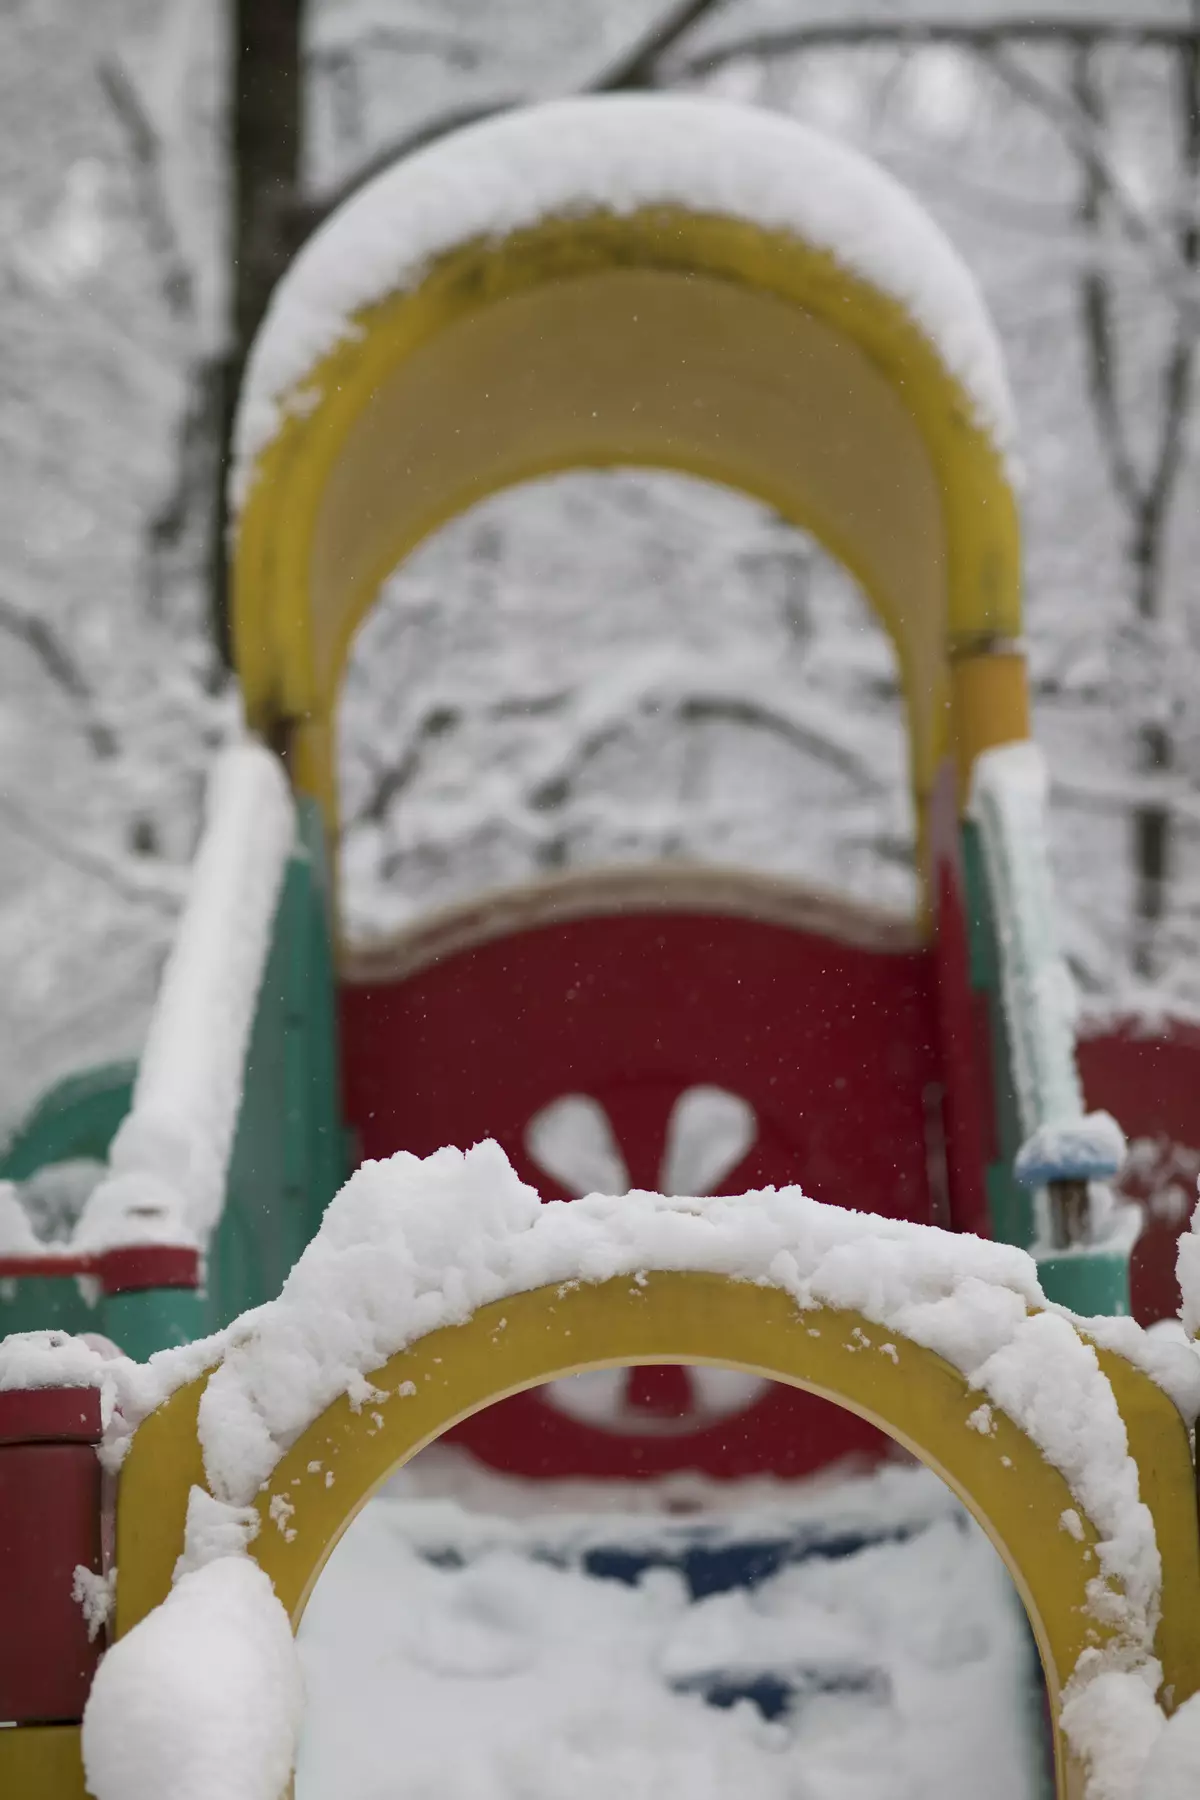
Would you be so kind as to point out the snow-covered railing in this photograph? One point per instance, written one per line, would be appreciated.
(170, 1158)
(1063, 1148)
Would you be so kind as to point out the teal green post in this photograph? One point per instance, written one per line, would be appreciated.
(289, 1154)
(1091, 1282)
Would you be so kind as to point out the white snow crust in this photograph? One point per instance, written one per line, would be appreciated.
(168, 1162)
(615, 153)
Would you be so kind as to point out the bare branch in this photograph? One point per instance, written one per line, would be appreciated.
(461, 51)
(1179, 368)
(787, 40)
(1079, 133)
(637, 65)
(146, 150)
(58, 663)
(1096, 300)
(191, 498)
(634, 67)
(140, 886)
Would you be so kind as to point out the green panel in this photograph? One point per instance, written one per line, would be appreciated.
(45, 1303)
(1092, 1282)
(1010, 1205)
(153, 1319)
(76, 1120)
(288, 1157)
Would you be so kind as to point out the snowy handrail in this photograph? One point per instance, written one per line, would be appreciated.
(1060, 1141)
(169, 1160)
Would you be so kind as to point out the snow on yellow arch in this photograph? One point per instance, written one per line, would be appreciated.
(348, 1451)
(631, 281)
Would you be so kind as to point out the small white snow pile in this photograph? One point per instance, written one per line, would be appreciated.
(615, 153)
(202, 1700)
(168, 1163)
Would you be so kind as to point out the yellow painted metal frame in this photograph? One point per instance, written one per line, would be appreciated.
(693, 341)
(913, 1395)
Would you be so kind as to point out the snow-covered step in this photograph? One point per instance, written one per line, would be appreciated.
(454, 1653)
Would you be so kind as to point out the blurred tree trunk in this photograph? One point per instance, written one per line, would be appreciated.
(1146, 495)
(266, 104)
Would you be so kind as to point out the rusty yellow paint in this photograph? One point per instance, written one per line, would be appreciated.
(41, 1762)
(989, 705)
(1158, 1444)
(663, 338)
(921, 1401)
(163, 1464)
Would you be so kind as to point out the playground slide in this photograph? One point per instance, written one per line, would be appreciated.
(256, 1347)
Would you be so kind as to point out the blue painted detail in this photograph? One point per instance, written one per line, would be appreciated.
(773, 1696)
(716, 1568)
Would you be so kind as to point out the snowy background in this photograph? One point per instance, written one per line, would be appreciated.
(607, 665)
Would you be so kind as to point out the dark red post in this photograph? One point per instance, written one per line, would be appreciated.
(49, 1525)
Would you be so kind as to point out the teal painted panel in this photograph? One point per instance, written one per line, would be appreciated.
(288, 1156)
(153, 1319)
(45, 1303)
(77, 1120)
(1092, 1282)
(1010, 1205)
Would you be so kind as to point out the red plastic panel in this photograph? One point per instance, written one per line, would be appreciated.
(1151, 1085)
(50, 1415)
(49, 1524)
(128, 1268)
(967, 1109)
(834, 1047)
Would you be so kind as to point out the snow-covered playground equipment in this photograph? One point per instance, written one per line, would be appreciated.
(638, 282)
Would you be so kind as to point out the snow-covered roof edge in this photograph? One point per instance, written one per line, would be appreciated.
(617, 153)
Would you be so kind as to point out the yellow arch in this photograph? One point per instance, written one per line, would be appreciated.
(913, 1395)
(662, 337)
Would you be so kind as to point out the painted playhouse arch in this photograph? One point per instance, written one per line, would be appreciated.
(919, 1399)
(644, 282)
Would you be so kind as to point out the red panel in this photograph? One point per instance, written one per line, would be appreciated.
(49, 1524)
(126, 1269)
(1151, 1085)
(133, 1267)
(833, 1046)
(786, 1434)
(967, 1102)
(50, 1415)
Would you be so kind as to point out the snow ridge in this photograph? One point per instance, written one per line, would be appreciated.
(170, 1157)
(615, 153)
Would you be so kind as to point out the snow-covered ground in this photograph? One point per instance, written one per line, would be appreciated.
(457, 1648)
